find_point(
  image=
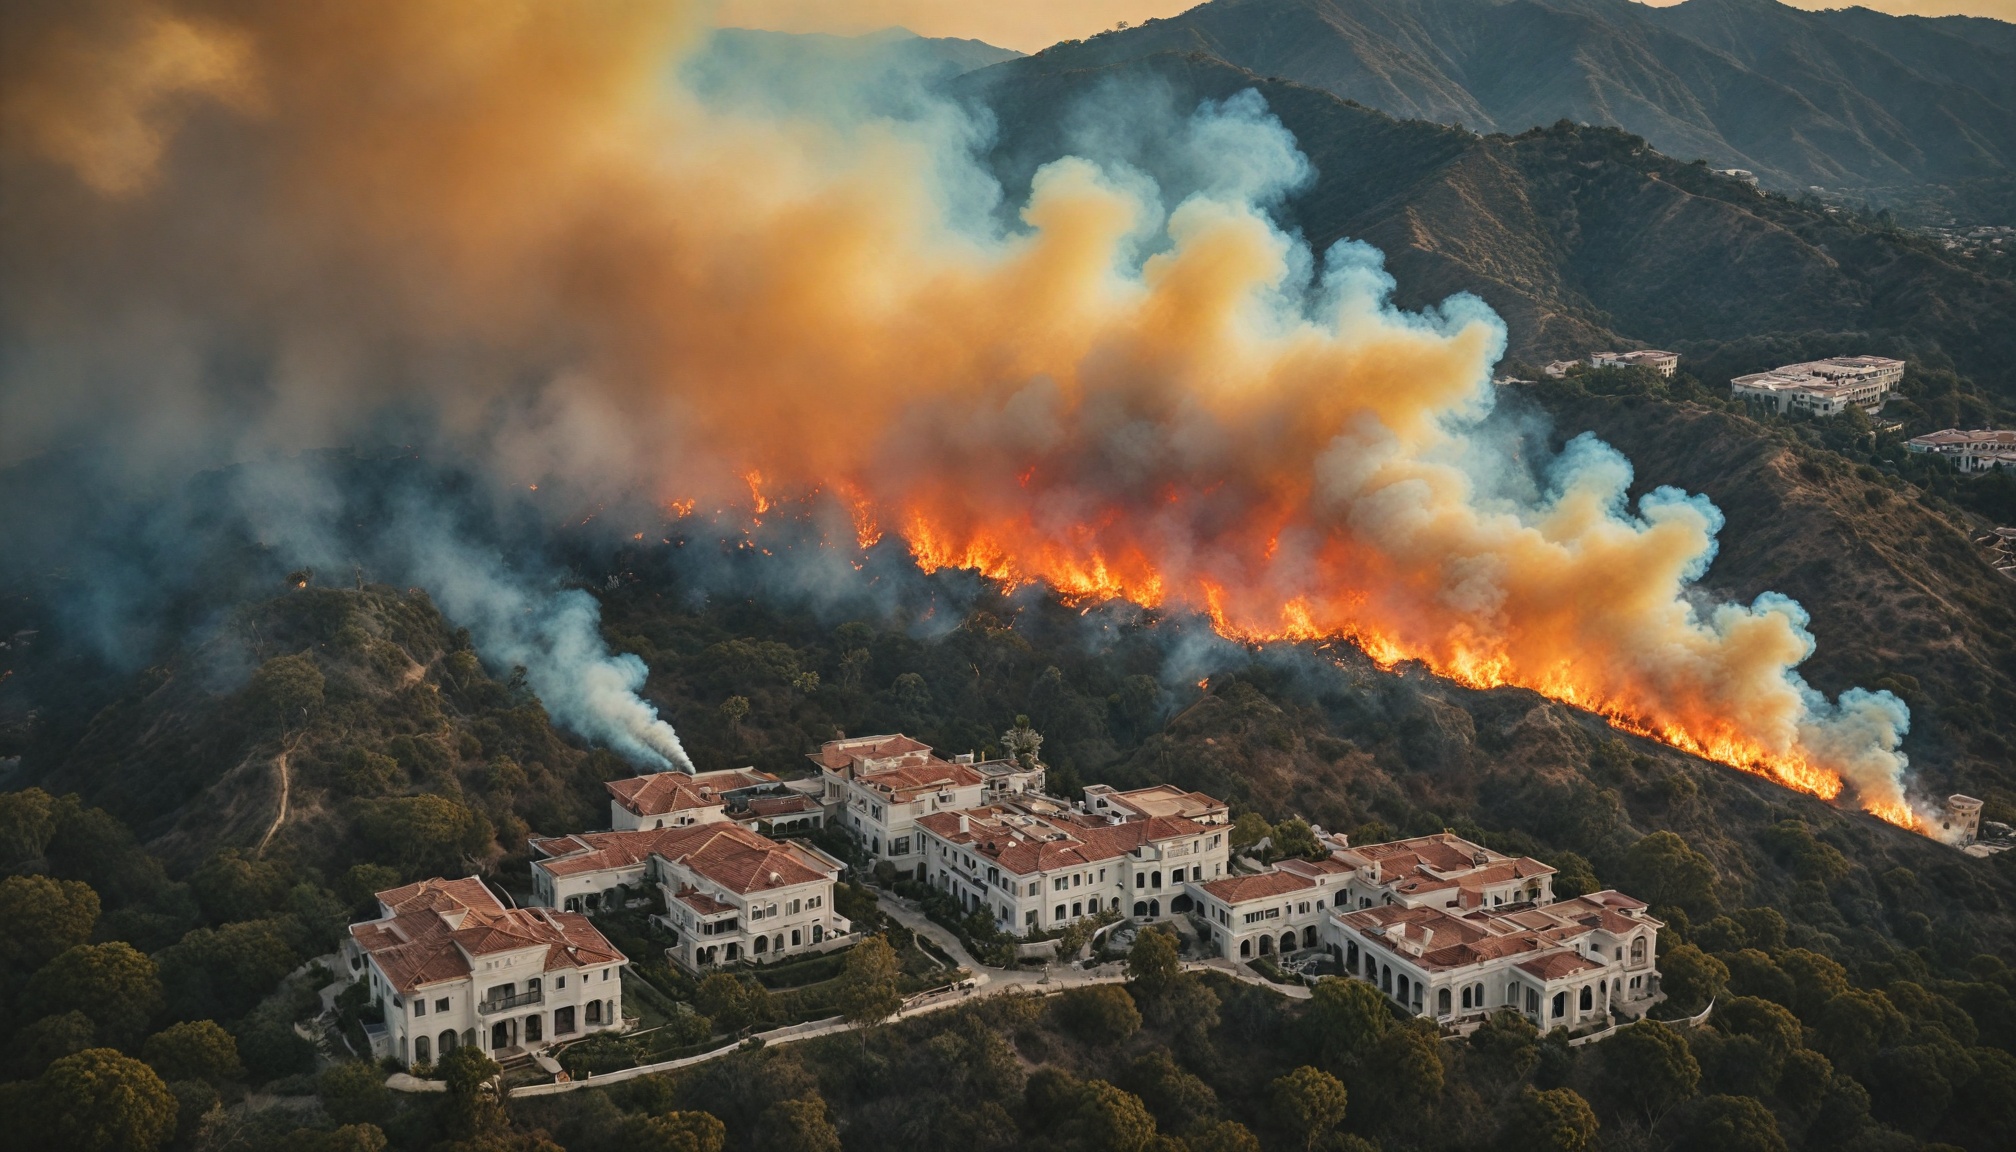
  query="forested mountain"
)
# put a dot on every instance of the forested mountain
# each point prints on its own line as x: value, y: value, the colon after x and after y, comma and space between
x: 1578, y: 237
x: 1846, y: 99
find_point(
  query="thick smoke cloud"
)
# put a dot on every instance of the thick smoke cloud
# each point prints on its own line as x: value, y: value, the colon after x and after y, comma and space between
x: 510, y: 233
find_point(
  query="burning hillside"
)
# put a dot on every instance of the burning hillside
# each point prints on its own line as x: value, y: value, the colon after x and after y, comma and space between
x: 268, y: 228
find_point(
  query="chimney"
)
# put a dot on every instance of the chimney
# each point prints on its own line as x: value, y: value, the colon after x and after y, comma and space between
x: 964, y: 825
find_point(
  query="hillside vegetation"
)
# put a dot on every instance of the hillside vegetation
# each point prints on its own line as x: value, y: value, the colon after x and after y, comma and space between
x: 1849, y: 99
x: 1581, y: 238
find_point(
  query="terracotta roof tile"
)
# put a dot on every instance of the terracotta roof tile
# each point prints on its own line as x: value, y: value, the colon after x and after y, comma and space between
x: 438, y: 924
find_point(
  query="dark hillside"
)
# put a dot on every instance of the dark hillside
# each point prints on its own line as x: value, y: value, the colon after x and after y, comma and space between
x: 1579, y: 237
x: 1850, y: 100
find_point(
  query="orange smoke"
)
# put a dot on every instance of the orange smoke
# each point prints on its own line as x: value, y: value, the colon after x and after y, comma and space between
x: 592, y: 276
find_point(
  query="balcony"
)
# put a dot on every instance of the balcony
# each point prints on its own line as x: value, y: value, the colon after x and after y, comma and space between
x: 494, y: 1004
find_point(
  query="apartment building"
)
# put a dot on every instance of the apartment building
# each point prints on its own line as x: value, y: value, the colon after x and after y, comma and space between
x: 1823, y: 387
x: 1036, y: 863
x: 448, y: 964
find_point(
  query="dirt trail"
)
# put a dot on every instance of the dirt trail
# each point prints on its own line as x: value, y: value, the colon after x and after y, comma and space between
x: 286, y: 783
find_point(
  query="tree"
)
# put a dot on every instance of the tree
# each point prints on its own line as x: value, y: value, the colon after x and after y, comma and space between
x: 1022, y: 742
x: 230, y: 886
x: 424, y: 834
x: 797, y: 1126
x: 735, y: 709
x: 1345, y: 1019
x: 1556, y: 1120
x: 1402, y: 1074
x: 1178, y: 1099
x: 1752, y: 973
x: 1224, y: 1136
x: 44, y: 1042
x: 101, y: 1101
x: 27, y: 824
x: 1309, y: 1102
x: 1294, y: 837
x: 285, y: 692
x: 1099, y: 1013
x: 866, y: 992
x: 1111, y: 1120
x: 1573, y: 876
x: 1816, y: 979
x: 194, y: 1050
x: 1662, y: 869
x: 113, y: 983
x: 1249, y: 830
x: 1761, y: 1035
x: 472, y: 1109
x: 1152, y: 965
x: 1691, y: 978
x: 221, y: 973
x: 1733, y: 1124
x: 1648, y: 1068
x: 1509, y: 1042
x: 1849, y: 1028
x: 732, y: 1002
x: 677, y: 1132
x: 348, y: 1138
x: 354, y: 1093
x: 44, y: 918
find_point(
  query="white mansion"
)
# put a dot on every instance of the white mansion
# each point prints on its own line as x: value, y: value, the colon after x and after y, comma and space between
x: 1823, y: 387
x: 1447, y: 929
x: 876, y: 787
x: 449, y: 965
x: 730, y: 894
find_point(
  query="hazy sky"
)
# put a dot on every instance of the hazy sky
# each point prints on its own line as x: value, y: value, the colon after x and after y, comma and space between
x: 1032, y: 24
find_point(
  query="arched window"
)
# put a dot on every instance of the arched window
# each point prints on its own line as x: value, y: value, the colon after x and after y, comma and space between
x: 762, y: 945
x: 1287, y: 941
x: 1638, y: 950
x: 1560, y: 1004
x: 1245, y: 949
x: 1445, y: 999
x: 1442, y: 1001
x: 594, y: 1011
x: 1587, y: 1001
x: 423, y: 1050
x: 450, y: 1041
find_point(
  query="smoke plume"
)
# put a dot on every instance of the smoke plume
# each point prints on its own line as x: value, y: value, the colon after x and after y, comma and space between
x: 510, y: 230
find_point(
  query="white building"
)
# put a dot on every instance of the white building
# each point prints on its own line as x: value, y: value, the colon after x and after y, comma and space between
x: 730, y: 893
x: 1823, y: 387
x: 1567, y: 964
x: 675, y: 799
x: 1975, y: 451
x: 1036, y: 863
x: 1445, y: 928
x: 1664, y: 363
x: 877, y: 787
x: 449, y: 965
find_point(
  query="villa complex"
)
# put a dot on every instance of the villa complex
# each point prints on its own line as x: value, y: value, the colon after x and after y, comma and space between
x: 1445, y: 928
x: 1823, y: 387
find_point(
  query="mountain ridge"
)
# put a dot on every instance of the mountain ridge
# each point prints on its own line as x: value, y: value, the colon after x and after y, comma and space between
x: 1849, y: 100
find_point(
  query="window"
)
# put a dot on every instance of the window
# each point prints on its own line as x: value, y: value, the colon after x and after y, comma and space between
x: 1442, y: 1001
x: 1035, y: 886
x: 1638, y: 950
x: 1587, y: 1000
x: 1077, y: 909
x: 605, y: 973
x: 1060, y: 883
x: 441, y: 1005
x: 814, y: 902
x: 795, y: 905
x: 1077, y: 880
x: 1445, y: 999
x: 1060, y: 913
x: 900, y: 846
x: 419, y: 1006
x: 1140, y: 880
x: 1029, y: 918
x: 594, y: 1011
x: 1102, y: 875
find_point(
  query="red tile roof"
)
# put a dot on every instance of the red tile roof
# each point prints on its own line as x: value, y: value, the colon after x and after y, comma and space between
x: 661, y: 792
x: 438, y: 925
x: 727, y: 854
x: 837, y: 754
x: 1024, y: 843
x: 1239, y: 889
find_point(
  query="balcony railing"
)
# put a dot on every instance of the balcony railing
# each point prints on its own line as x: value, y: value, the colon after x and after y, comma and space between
x: 490, y: 1004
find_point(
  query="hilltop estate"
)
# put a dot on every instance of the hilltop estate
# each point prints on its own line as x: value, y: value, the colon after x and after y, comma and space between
x: 1445, y: 928
x: 1823, y: 387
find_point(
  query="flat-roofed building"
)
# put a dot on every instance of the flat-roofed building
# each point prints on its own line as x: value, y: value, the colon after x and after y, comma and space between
x: 1823, y: 387
x: 1156, y: 800
x: 1664, y: 363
